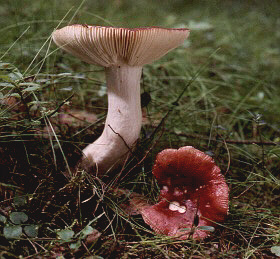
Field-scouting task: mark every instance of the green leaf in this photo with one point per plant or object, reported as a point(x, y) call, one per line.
point(14, 95)
point(18, 217)
point(3, 84)
point(19, 201)
point(3, 219)
point(31, 88)
point(275, 250)
point(75, 246)
point(65, 234)
point(15, 76)
point(207, 228)
point(86, 231)
point(31, 230)
point(29, 84)
point(12, 232)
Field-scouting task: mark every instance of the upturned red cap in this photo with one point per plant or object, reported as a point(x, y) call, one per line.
point(194, 194)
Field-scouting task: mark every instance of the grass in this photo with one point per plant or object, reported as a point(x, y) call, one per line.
point(231, 110)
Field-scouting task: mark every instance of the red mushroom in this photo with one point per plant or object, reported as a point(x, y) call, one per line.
point(194, 194)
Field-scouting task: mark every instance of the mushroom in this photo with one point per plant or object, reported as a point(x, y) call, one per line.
point(193, 197)
point(122, 52)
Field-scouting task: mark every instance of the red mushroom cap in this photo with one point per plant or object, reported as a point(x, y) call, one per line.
point(194, 193)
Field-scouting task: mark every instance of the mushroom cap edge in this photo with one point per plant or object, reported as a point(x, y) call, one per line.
point(112, 46)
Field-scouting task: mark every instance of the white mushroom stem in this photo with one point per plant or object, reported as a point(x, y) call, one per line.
point(123, 122)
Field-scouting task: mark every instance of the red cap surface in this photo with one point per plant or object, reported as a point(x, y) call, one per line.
point(194, 194)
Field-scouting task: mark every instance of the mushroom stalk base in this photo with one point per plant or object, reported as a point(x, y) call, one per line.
point(123, 122)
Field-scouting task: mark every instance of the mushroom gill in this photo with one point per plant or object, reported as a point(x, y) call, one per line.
point(194, 194)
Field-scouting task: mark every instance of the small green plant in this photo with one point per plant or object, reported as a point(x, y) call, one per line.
point(75, 240)
point(16, 223)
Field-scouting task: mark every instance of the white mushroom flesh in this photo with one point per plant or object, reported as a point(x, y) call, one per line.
point(123, 122)
point(175, 206)
point(182, 209)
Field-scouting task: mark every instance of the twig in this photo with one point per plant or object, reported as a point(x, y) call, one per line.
point(247, 189)
point(121, 138)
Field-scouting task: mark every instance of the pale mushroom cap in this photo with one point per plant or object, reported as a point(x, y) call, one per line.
point(110, 46)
